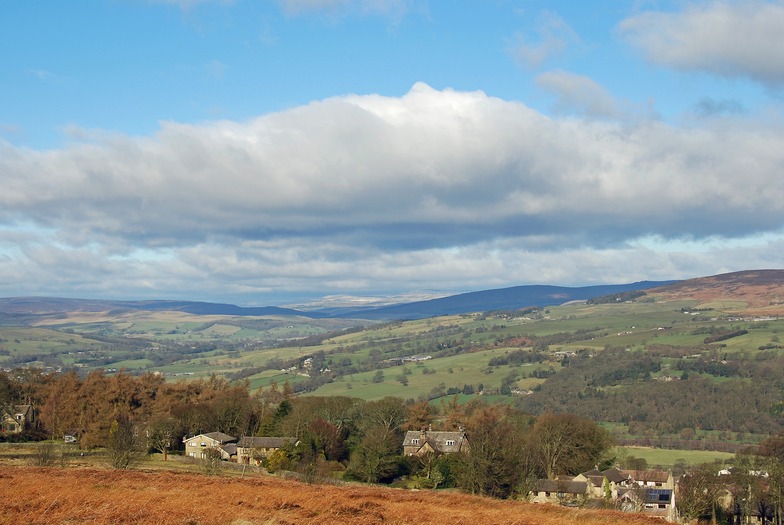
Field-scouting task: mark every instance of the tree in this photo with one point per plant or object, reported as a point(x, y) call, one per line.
point(160, 434)
point(772, 452)
point(698, 493)
point(376, 457)
point(496, 463)
point(420, 415)
point(122, 446)
point(568, 444)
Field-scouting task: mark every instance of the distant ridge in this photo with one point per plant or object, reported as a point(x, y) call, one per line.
point(22, 310)
point(512, 298)
point(25, 307)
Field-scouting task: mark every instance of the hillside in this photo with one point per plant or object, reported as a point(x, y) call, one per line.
point(512, 298)
point(31, 310)
point(758, 292)
point(46, 496)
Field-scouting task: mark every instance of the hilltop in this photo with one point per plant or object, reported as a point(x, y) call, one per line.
point(759, 292)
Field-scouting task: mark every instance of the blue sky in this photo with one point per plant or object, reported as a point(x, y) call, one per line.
point(276, 151)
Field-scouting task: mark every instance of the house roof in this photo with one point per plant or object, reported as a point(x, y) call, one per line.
point(615, 475)
point(598, 481)
point(565, 487)
point(220, 437)
point(23, 409)
point(230, 449)
point(440, 441)
point(656, 476)
point(265, 442)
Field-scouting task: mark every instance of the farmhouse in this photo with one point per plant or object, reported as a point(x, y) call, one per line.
point(18, 419)
point(418, 443)
point(562, 492)
point(197, 446)
point(254, 449)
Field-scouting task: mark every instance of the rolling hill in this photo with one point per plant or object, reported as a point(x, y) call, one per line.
point(26, 310)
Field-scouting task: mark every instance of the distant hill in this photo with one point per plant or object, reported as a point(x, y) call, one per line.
point(756, 291)
point(512, 298)
point(25, 310)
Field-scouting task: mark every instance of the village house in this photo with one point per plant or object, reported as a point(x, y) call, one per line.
point(252, 449)
point(562, 492)
point(606, 483)
point(17, 420)
point(418, 443)
point(197, 446)
point(651, 492)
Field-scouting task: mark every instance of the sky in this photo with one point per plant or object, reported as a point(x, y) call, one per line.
point(277, 151)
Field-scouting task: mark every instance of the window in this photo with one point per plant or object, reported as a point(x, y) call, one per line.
point(193, 443)
point(450, 442)
point(192, 454)
point(415, 442)
point(203, 444)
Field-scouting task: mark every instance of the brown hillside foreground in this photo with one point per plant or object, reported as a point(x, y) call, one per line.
point(38, 495)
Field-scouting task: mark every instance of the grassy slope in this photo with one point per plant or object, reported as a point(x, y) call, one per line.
point(44, 496)
point(666, 458)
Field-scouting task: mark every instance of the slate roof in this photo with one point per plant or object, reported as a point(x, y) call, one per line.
point(439, 440)
point(615, 475)
point(655, 476)
point(265, 442)
point(564, 487)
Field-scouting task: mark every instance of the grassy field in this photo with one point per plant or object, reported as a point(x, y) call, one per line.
point(666, 458)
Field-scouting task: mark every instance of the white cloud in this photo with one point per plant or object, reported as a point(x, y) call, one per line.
point(729, 38)
point(579, 94)
point(433, 189)
point(553, 35)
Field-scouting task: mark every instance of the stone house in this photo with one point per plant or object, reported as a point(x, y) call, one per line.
point(252, 449)
point(562, 492)
point(418, 443)
point(197, 446)
point(17, 419)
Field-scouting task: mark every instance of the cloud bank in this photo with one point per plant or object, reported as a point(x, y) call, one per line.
point(433, 189)
point(731, 39)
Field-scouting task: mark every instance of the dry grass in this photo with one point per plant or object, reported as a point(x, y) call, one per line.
point(38, 496)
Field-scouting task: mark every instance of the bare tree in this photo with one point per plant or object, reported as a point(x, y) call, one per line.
point(160, 434)
point(123, 445)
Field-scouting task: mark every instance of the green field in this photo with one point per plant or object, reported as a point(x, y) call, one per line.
point(667, 458)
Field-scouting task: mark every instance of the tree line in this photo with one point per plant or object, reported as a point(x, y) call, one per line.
point(360, 440)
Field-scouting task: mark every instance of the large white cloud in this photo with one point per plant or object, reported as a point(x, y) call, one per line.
point(448, 163)
point(433, 189)
point(730, 38)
